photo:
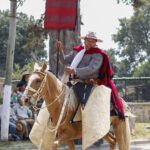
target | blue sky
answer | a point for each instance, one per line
(100, 16)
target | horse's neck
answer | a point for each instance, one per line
(54, 89)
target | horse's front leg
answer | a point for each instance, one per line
(55, 146)
(71, 145)
(111, 140)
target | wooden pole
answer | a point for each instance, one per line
(57, 65)
(9, 70)
(69, 39)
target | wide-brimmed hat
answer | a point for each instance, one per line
(91, 35)
(26, 73)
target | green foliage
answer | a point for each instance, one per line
(134, 3)
(29, 44)
(20, 2)
(133, 39)
(17, 73)
(1, 99)
(4, 25)
(142, 70)
(113, 60)
(140, 131)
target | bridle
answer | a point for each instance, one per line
(37, 93)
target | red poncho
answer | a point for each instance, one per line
(105, 75)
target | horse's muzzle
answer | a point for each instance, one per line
(29, 101)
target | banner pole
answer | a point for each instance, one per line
(57, 65)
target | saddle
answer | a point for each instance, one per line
(82, 92)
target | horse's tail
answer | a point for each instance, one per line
(122, 132)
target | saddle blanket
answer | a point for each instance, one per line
(96, 116)
(95, 120)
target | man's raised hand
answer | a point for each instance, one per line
(58, 45)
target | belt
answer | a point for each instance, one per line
(92, 81)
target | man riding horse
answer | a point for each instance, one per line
(91, 65)
(90, 73)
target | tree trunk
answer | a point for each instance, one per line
(9, 70)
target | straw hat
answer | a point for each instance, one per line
(91, 35)
(20, 126)
(26, 73)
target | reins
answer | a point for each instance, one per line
(38, 94)
(39, 91)
(59, 123)
(47, 106)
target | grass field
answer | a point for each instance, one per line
(141, 131)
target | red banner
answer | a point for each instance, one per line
(60, 14)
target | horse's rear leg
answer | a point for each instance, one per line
(122, 133)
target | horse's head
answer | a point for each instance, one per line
(32, 92)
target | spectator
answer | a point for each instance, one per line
(12, 124)
(24, 118)
(21, 85)
(14, 97)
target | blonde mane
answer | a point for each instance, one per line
(56, 86)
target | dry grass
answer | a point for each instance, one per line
(140, 131)
(17, 145)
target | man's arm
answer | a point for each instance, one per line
(67, 59)
(29, 113)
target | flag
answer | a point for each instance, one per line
(60, 14)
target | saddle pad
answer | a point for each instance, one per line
(96, 116)
(40, 134)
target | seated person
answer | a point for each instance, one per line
(24, 118)
(14, 96)
(21, 85)
(13, 135)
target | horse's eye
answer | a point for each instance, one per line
(38, 81)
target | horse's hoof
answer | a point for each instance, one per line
(56, 142)
(112, 147)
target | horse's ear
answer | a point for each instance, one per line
(44, 67)
(36, 66)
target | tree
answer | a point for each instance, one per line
(4, 27)
(134, 40)
(142, 70)
(17, 74)
(29, 40)
(113, 60)
(9, 67)
(134, 3)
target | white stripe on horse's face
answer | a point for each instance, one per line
(30, 81)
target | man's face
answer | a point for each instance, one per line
(89, 43)
(26, 77)
(21, 102)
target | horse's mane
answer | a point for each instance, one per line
(58, 86)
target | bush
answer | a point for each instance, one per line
(17, 74)
(1, 99)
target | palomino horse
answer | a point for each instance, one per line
(44, 84)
